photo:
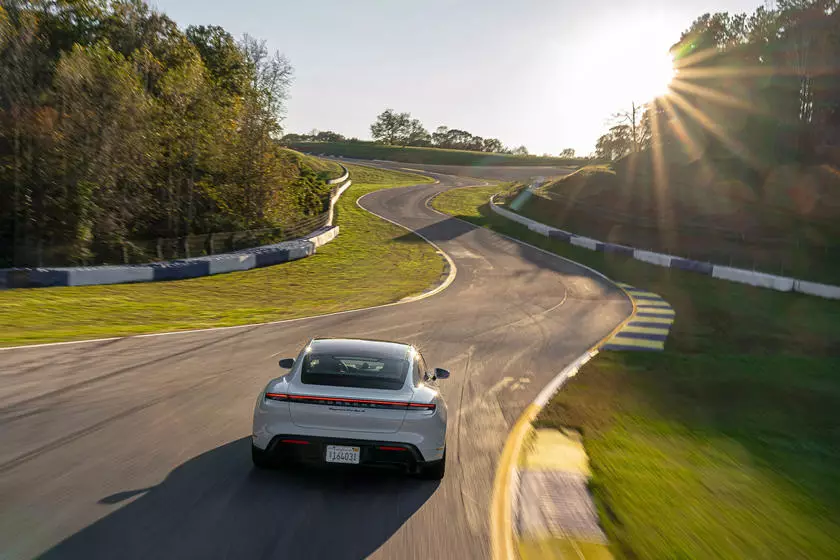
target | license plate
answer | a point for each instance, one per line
(342, 454)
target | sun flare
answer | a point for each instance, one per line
(653, 78)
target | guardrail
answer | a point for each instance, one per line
(742, 276)
(751, 245)
(341, 179)
(179, 269)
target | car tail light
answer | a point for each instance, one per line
(295, 441)
(421, 406)
(344, 401)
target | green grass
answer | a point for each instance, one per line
(371, 262)
(329, 168)
(438, 156)
(726, 445)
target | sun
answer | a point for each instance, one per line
(651, 78)
(642, 74)
(664, 73)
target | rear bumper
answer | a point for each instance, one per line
(312, 450)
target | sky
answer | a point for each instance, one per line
(546, 74)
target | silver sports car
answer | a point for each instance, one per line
(360, 402)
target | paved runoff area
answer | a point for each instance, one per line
(555, 517)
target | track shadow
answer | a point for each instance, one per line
(581, 282)
(439, 232)
(217, 506)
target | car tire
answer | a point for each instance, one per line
(434, 470)
(260, 458)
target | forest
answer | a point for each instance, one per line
(117, 127)
(761, 88)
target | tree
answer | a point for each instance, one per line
(493, 145)
(617, 143)
(102, 150)
(117, 126)
(329, 136)
(188, 115)
(416, 135)
(391, 127)
(520, 151)
(291, 138)
(271, 77)
(633, 119)
(783, 105)
(225, 62)
(568, 153)
(439, 136)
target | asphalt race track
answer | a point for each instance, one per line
(139, 447)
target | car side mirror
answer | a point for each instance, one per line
(287, 363)
(441, 373)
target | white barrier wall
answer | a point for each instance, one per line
(758, 279)
(542, 229)
(324, 237)
(90, 276)
(231, 263)
(334, 199)
(584, 242)
(341, 179)
(511, 215)
(652, 258)
(815, 289)
(752, 278)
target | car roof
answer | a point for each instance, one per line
(360, 347)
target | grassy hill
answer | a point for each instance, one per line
(726, 444)
(297, 161)
(438, 156)
(783, 220)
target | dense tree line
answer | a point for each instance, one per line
(762, 88)
(400, 129)
(117, 125)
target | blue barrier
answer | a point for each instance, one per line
(693, 266)
(272, 257)
(181, 270)
(559, 234)
(614, 248)
(17, 278)
(46, 277)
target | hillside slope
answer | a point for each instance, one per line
(784, 220)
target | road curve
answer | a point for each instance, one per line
(139, 447)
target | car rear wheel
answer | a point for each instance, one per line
(435, 470)
(260, 458)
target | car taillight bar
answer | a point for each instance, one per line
(295, 441)
(354, 403)
(391, 448)
(422, 406)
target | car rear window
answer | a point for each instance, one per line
(354, 371)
